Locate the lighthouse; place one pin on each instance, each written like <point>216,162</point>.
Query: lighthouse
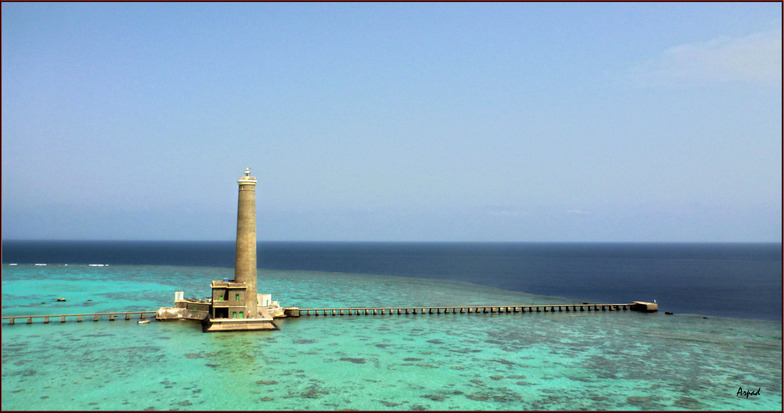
<point>234,303</point>
<point>245,259</point>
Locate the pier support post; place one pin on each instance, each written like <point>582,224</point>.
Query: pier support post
<point>79,319</point>
<point>11,321</point>
<point>62,319</point>
<point>141,317</point>
<point>29,320</point>
<point>111,317</point>
<point>46,320</point>
<point>95,317</point>
<point>127,316</point>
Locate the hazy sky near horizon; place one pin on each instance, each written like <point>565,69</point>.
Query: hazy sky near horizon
<point>393,121</point>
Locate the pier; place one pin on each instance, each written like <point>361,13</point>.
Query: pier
<point>347,311</point>
<point>473,309</point>
<point>62,318</point>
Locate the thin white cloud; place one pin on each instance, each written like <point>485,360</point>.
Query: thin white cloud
<point>752,58</point>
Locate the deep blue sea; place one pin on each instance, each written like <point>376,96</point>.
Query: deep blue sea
<point>725,335</point>
<point>728,280</point>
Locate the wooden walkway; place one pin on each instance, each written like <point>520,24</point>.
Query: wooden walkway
<point>79,317</point>
<point>297,312</point>
<point>473,309</point>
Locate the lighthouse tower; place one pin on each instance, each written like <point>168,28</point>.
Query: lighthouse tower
<point>234,303</point>
<point>245,259</point>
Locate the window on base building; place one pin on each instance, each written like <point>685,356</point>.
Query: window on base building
<point>236,297</point>
<point>241,314</point>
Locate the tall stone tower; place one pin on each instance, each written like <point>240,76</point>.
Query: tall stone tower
<point>245,260</point>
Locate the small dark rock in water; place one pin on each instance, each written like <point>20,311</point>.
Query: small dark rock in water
<point>411,359</point>
<point>60,299</point>
<point>496,377</point>
<point>668,312</point>
<point>478,397</point>
<point>266,382</point>
<point>434,397</point>
<point>705,318</point>
<point>353,360</point>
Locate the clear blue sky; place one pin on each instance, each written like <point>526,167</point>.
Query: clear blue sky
<point>393,121</point>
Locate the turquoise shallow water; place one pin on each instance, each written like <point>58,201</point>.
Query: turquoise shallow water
<point>545,361</point>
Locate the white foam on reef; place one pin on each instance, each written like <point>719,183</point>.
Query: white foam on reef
<point>96,265</point>
<point>40,265</point>
<point>13,263</point>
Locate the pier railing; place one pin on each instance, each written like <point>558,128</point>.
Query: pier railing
<point>472,309</point>
<point>297,312</point>
<point>79,317</point>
